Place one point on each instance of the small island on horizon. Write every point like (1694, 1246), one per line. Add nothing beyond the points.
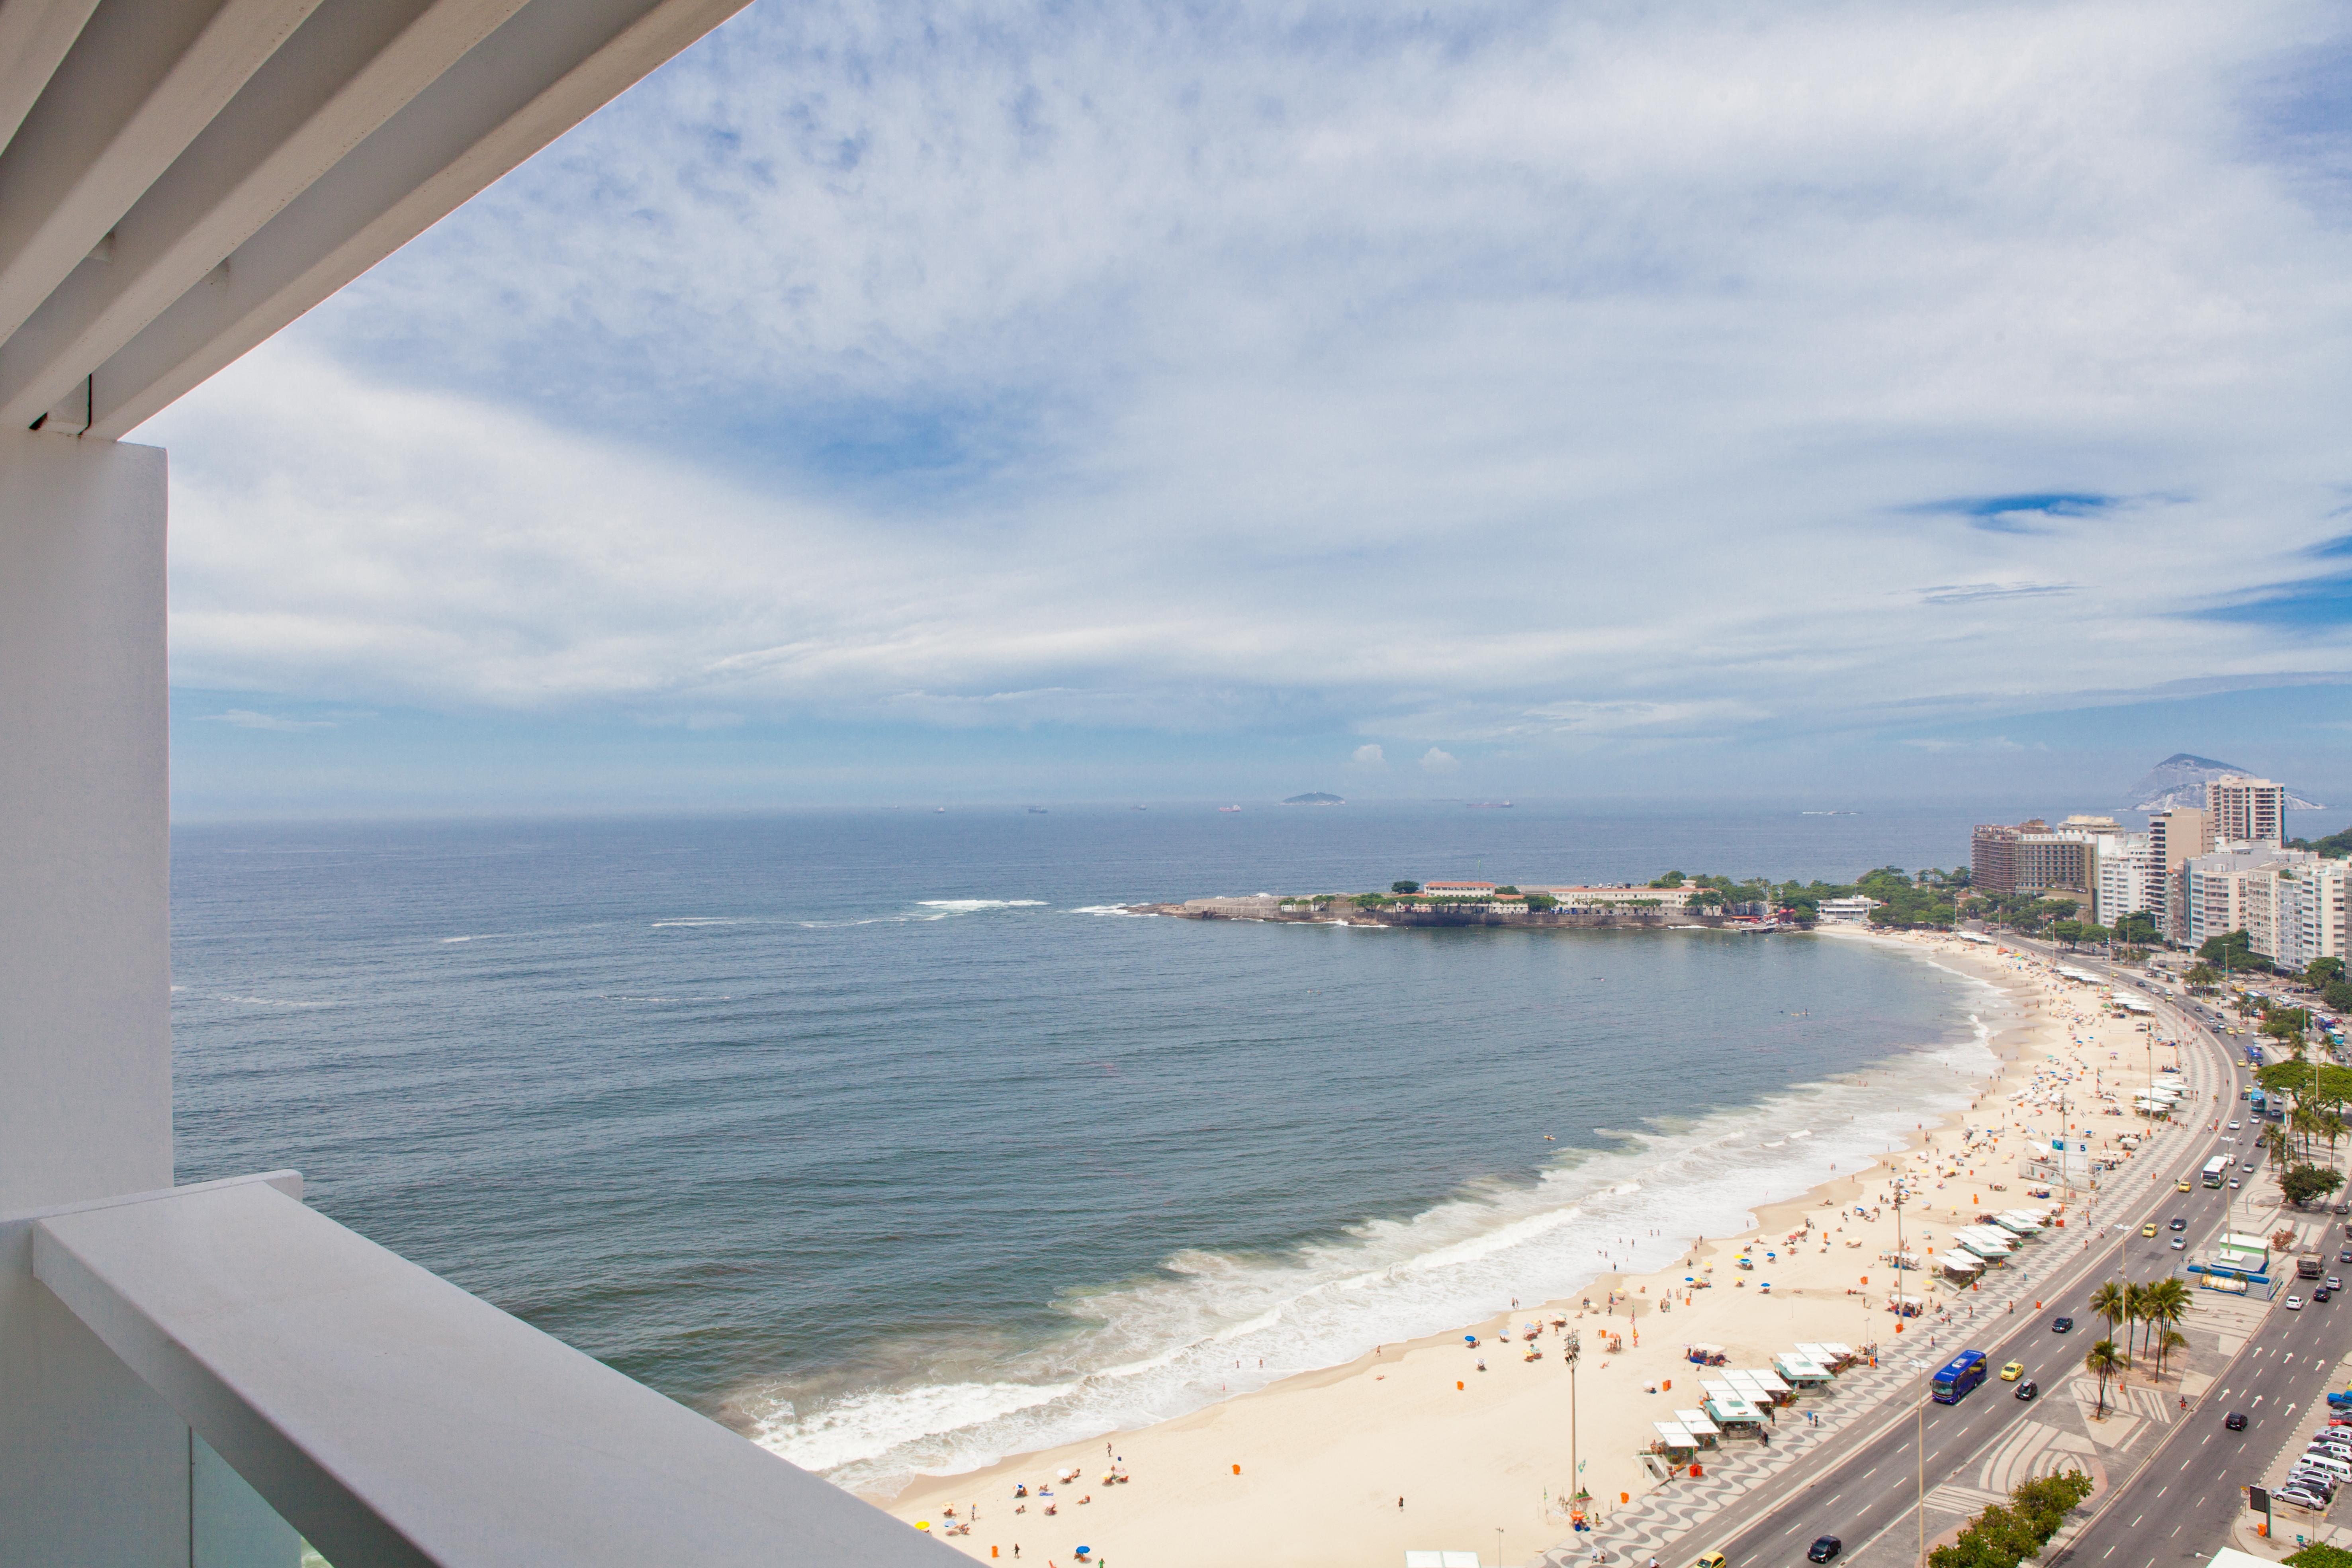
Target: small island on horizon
(1316, 797)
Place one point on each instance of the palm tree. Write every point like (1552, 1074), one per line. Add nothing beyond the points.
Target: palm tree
(2167, 1303)
(2103, 1363)
(2136, 1312)
(2110, 1301)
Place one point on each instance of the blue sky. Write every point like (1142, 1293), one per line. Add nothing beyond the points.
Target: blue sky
(981, 402)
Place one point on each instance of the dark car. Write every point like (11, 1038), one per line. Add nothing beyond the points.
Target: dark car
(2235, 1421)
(2062, 1325)
(1822, 1550)
(2028, 1389)
(2180, 1224)
(2321, 1294)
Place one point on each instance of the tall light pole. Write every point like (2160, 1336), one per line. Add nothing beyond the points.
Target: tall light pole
(1921, 1505)
(1572, 1352)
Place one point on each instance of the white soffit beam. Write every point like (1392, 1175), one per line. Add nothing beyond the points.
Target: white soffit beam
(551, 66)
(345, 71)
(34, 37)
(144, 78)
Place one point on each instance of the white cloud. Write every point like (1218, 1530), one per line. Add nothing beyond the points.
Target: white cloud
(1566, 377)
(1437, 761)
(1367, 756)
(246, 719)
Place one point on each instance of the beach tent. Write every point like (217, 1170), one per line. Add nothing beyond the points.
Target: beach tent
(1704, 1354)
(1675, 1436)
(1696, 1422)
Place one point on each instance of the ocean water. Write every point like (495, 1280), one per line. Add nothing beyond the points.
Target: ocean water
(886, 1137)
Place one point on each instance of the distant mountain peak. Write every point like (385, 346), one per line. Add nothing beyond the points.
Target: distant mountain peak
(2179, 781)
(1315, 797)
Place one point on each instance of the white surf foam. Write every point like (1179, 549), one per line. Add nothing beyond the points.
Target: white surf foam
(974, 906)
(1208, 1325)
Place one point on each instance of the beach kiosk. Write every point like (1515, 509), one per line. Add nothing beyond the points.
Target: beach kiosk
(1824, 1356)
(1696, 1422)
(1960, 1269)
(1675, 1441)
(1729, 1409)
(1799, 1372)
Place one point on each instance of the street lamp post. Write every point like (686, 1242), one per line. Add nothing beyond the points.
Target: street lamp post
(1572, 1352)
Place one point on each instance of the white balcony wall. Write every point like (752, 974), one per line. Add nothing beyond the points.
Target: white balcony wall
(85, 927)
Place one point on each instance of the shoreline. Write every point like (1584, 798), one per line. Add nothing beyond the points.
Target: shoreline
(1319, 1437)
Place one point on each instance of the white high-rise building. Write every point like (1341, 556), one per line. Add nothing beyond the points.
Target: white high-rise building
(2239, 809)
(2129, 878)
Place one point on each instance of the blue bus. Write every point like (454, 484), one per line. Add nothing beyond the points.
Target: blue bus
(2253, 1055)
(1952, 1384)
(2255, 1101)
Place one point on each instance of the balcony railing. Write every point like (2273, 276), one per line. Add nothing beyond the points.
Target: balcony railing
(391, 1419)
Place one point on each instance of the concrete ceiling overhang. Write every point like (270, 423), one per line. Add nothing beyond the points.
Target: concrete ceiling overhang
(181, 178)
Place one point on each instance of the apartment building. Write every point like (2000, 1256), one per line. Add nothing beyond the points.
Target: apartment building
(2174, 838)
(1992, 856)
(2245, 810)
(2285, 901)
(2127, 878)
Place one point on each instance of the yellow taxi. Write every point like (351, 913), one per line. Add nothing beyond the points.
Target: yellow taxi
(2148, 1229)
(1709, 1560)
(2182, 1183)
(2013, 1371)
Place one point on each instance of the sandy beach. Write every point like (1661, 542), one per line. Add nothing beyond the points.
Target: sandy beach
(1416, 1447)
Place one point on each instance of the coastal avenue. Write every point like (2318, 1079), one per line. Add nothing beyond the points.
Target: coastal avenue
(1863, 1492)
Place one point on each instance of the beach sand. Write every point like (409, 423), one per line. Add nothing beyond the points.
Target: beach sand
(1314, 1469)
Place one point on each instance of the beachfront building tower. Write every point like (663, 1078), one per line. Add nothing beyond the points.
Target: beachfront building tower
(2242, 810)
(2174, 838)
(212, 1374)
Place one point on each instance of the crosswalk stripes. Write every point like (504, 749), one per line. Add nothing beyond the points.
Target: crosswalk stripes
(2031, 1448)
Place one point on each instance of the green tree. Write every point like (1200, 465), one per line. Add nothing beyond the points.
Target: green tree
(2319, 1554)
(2136, 1312)
(2321, 972)
(2139, 930)
(2338, 996)
(1404, 887)
(2103, 1363)
(1368, 901)
(2230, 950)
(2200, 975)
(2301, 1184)
(2166, 1303)
(1542, 901)
(1670, 880)
(2113, 1302)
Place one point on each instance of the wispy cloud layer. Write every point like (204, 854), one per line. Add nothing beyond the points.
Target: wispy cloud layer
(1530, 376)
